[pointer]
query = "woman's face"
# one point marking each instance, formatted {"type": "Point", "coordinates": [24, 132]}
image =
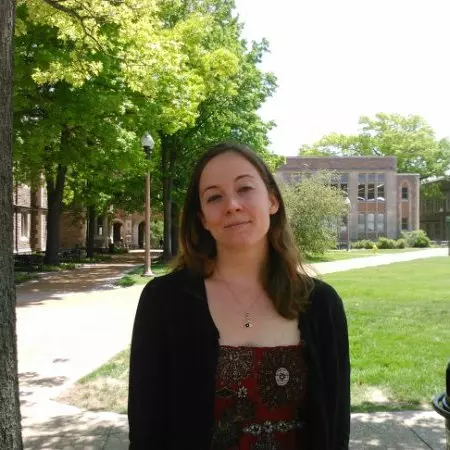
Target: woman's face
{"type": "Point", "coordinates": [235, 203]}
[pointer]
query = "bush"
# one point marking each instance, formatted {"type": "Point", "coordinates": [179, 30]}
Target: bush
{"type": "Point", "coordinates": [314, 210]}
{"type": "Point", "coordinates": [364, 244]}
{"type": "Point", "coordinates": [417, 238]}
{"type": "Point", "coordinates": [386, 243]}
{"type": "Point", "coordinates": [401, 243]}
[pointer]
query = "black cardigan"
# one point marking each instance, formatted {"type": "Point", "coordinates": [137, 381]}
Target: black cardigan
{"type": "Point", "coordinates": [174, 353]}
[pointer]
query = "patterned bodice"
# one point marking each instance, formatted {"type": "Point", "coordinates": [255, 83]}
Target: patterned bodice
{"type": "Point", "coordinates": [259, 403]}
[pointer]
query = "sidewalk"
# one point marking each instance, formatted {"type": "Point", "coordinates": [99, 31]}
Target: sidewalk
{"type": "Point", "coordinates": [67, 326]}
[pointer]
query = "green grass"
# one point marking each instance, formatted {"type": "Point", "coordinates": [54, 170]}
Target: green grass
{"type": "Point", "coordinates": [338, 255]}
{"type": "Point", "coordinates": [399, 327]}
{"type": "Point", "coordinates": [135, 276]}
{"type": "Point", "coordinates": [21, 277]}
{"type": "Point", "coordinates": [104, 389]}
{"type": "Point", "coordinates": [398, 317]}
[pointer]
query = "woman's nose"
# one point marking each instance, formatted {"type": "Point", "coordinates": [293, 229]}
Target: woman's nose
{"type": "Point", "coordinates": [233, 203]}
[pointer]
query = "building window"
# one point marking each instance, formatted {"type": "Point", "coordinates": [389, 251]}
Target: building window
{"type": "Point", "coordinates": [361, 223]}
{"type": "Point", "coordinates": [404, 193]}
{"type": "Point", "coordinates": [362, 187]}
{"type": "Point", "coordinates": [24, 225]}
{"type": "Point", "coordinates": [405, 224]}
{"type": "Point", "coordinates": [99, 226]}
{"type": "Point", "coordinates": [370, 223]}
{"type": "Point", "coordinates": [380, 187]}
{"type": "Point", "coordinates": [371, 191]}
{"type": "Point", "coordinates": [380, 223]}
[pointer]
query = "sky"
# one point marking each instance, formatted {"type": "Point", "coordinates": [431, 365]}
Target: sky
{"type": "Point", "coordinates": [337, 60]}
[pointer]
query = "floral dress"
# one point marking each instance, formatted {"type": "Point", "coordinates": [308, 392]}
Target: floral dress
{"type": "Point", "coordinates": [260, 397]}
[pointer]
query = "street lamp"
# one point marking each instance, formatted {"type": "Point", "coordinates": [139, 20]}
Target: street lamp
{"type": "Point", "coordinates": [148, 143]}
{"type": "Point", "coordinates": [348, 204]}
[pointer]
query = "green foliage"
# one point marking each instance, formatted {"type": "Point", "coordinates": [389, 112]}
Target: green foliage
{"type": "Point", "coordinates": [363, 244]}
{"type": "Point", "coordinates": [410, 139]}
{"type": "Point", "coordinates": [401, 243]}
{"type": "Point", "coordinates": [314, 209]}
{"type": "Point", "coordinates": [386, 243]}
{"type": "Point", "coordinates": [417, 238]}
{"type": "Point", "coordinates": [156, 232]}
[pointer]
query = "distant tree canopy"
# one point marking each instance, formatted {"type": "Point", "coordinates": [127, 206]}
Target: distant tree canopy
{"type": "Point", "coordinates": [410, 139]}
{"type": "Point", "coordinates": [92, 76]}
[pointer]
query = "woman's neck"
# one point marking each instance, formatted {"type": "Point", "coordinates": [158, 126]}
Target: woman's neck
{"type": "Point", "coordinates": [242, 267]}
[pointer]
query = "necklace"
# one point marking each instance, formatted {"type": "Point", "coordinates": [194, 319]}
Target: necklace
{"type": "Point", "coordinates": [247, 319]}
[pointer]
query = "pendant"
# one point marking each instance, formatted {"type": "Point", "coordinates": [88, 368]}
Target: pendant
{"type": "Point", "coordinates": [248, 322]}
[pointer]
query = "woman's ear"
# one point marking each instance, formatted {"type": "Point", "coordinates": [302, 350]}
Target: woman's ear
{"type": "Point", "coordinates": [274, 204]}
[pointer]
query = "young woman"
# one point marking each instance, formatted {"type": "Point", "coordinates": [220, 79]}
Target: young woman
{"type": "Point", "coordinates": [238, 348]}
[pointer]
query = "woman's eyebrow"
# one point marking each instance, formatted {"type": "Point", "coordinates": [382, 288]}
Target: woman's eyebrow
{"type": "Point", "coordinates": [214, 186]}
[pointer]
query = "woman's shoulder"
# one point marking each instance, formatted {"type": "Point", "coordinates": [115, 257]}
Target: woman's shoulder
{"type": "Point", "coordinates": [324, 296]}
{"type": "Point", "coordinates": [172, 285]}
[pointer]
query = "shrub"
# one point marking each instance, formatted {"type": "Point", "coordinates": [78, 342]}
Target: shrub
{"type": "Point", "coordinates": [417, 238]}
{"type": "Point", "coordinates": [314, 210]}
{"type": "Point", "coordinates": [365, 243]}
{"type": "Point", "coordinates": [401, 243]}
{"type": "Point", "coordinates": [385, 243]}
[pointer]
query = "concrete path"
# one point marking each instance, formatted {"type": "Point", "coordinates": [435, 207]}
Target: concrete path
{"type": "Point", "coordinates": [376, 260]}
{"type": "Point", "coordinates": [67, 328]}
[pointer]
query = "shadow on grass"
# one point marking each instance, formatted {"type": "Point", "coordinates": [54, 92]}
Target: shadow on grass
{"type": "Point", "coordinates": [370, 407]}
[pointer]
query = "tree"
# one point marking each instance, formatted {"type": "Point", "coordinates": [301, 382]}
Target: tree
{"type": "Point", "coordinates": [227, 112]}
{"type": "Point", "coordinates": [10, 430]}
{"type": "Point", "coordinates": [410, 139]}
{"type": "Point", "coordinates": [83, 66]}
{"type": "Point", "coordinates": [314, 209]}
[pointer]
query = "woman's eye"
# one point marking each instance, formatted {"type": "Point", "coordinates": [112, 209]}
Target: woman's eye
{"type": "Point", "coordinates": [245, 188]}
{"type": "Point", "coordinates": [213, 198]}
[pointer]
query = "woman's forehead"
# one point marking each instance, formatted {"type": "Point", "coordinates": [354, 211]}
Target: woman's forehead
{"type": "Point", "coordinates": [225, 168]}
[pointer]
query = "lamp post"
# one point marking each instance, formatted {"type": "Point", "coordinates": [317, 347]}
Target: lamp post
{"type": "Point", "coordinates": [148, 143]}
{"type": "Point", "coordinates": [348, 203]}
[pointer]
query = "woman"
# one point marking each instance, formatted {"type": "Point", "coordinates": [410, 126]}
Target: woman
{"type": "Point", "coordinates": [238, 348]}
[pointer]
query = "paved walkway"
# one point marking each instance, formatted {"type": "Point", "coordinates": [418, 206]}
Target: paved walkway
{"type": "Point", "coordinates": [68, 325]}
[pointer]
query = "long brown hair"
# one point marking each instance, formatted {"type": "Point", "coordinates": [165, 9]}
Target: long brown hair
{"type": "Point", "coordinates": [283, 275]}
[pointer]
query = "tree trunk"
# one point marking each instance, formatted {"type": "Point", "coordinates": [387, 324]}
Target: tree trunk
{"type": "Point", "coordinates": [10, 429]}
{"type": "Point", "coordinates": [167, 195]}
{"type": "Point", "coordinates": [55, 190]}
{"type": "Point", "coordinates": [90, 232]}
{"type": "Point", "coordinates": [174, 228]}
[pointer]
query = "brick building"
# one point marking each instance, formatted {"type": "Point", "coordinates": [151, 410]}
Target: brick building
{"type": "Point", "coordinates": [30, 224]}
{"type": "Point", "coordinates": [29, 217]}
{"type": "Point", "coordinates": [435, 209]}
{"type": "Point", "coordinates": [382, 201]}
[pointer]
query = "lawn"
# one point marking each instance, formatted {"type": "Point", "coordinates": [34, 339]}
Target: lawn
{"type": "Point", "coordinates": [399, 327]}
{"type": "Point", "coordinates": [398, 317]}
{"type": "Point", "coordinates": [338, 255]}
{"type": "Point", "coordinates": [135, 276]}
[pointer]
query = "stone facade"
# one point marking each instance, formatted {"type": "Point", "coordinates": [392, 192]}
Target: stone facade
{"type": "Point", "coordinates": [434, 210]}
{"type": "Point", "coordinates": [30, 224]}
{"type": "Point", "coordinates": [30, 218]}
{"type": "Point", "coordinates": [382, 201]}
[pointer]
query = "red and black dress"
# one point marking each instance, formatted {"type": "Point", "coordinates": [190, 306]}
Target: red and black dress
{"type": "Point", "coordinates": [260, 399]}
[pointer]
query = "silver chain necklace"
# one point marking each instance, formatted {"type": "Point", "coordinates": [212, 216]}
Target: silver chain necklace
{"type": "Point", "coordinates": [247, 319]}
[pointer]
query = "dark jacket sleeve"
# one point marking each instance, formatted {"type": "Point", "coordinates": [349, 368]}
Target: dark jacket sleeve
{"type": "Point", "coordinates": [147, 413]}
{"type": "Point", "coordinates": [334, 353]}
